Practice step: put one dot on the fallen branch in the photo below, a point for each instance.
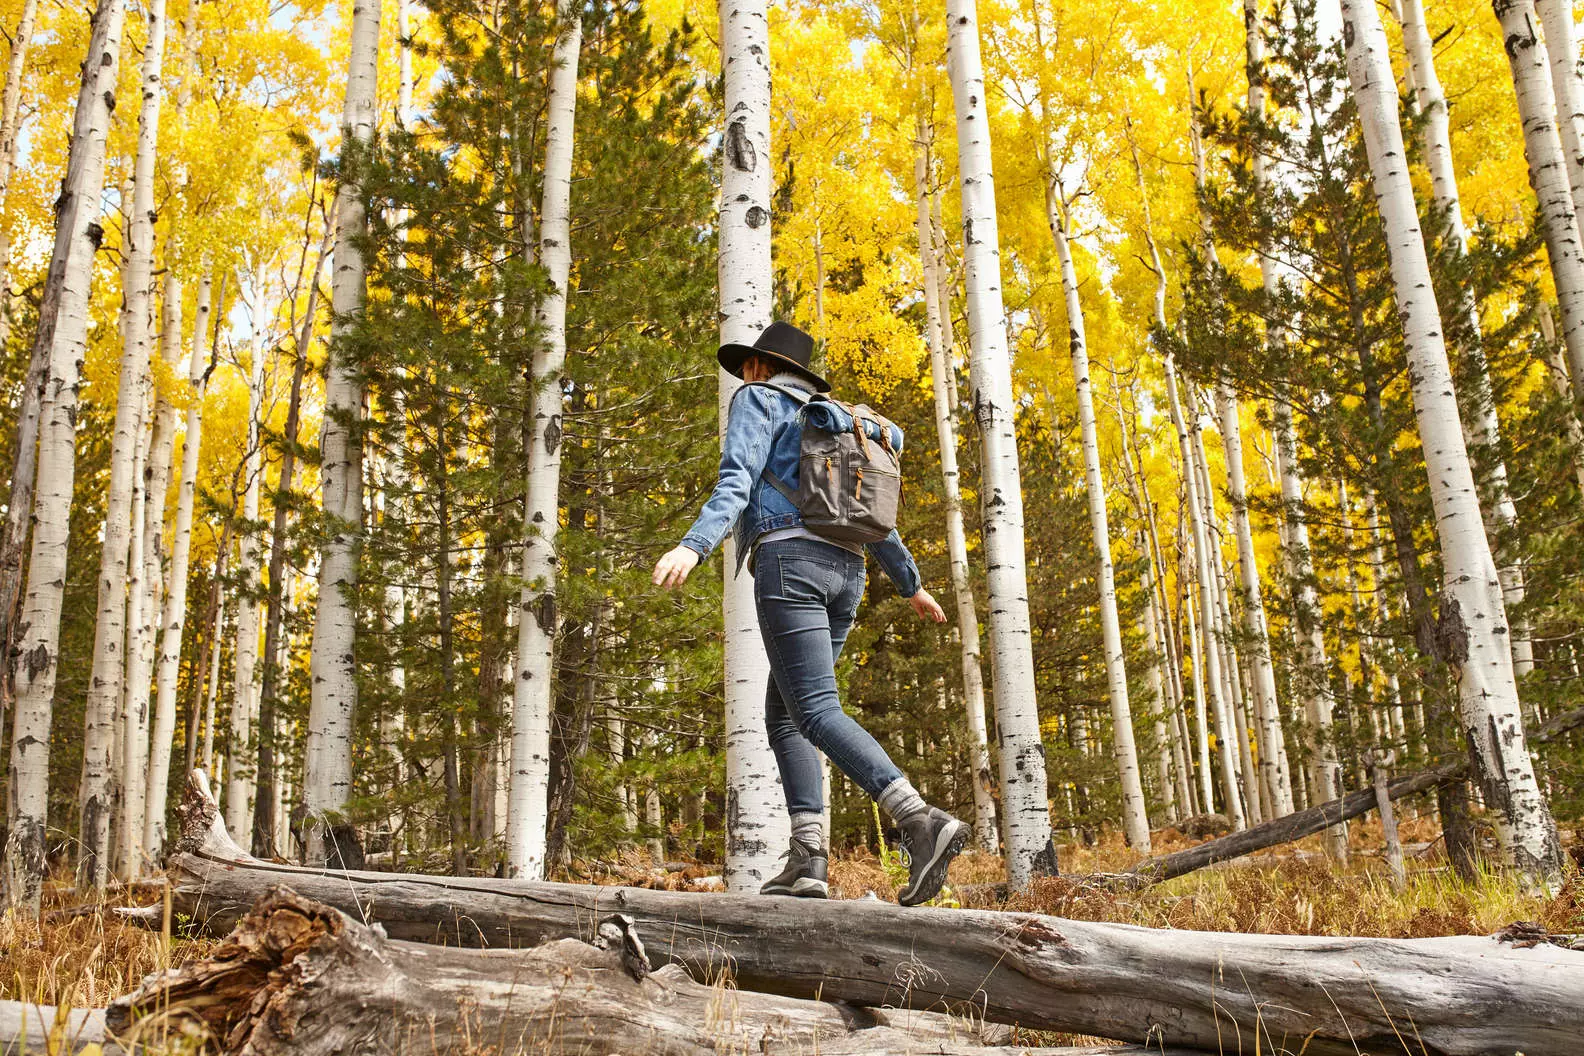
(26, 1027)
(1303, 823)
(1460, 995)
(298, 977)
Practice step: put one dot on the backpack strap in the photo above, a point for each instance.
(802, 398)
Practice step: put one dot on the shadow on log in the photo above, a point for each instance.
(1455, 996)
(300, 978)
(1303, 823)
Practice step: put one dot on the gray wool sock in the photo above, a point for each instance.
(809, 830)
(900, 800)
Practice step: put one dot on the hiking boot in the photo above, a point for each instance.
(931, 840)
(803, 877)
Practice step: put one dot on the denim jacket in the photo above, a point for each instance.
(764, 431)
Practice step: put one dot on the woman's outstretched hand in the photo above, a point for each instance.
(673, 567)
(926, 606)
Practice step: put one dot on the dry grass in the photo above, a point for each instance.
(82, 959)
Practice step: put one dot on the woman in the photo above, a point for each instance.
(807, 589)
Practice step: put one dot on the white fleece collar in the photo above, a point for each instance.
(788, 379)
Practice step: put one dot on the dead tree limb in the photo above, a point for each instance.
(26, 1028)
(1460, 995)
(1303, 823)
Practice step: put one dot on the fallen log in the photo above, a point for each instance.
(1456, 996)
(26, 1028)
(301, 978)
(1303, 823)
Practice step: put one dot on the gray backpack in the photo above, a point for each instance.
(849, 484)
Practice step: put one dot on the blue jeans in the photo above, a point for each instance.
(807, 593)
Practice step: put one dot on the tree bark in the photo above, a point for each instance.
(1567, 86)
(1135, 816)
(1548, 173)
(1039, 972)
(1501, 515)
(757, 828)
(112, 629)
(327, 755)
(175, 618)
(63, 330)
(241, 776)
(19, 500)
(1023, 777)
(1473, 613)
(534, 692)
(300, 977)
(941, 368)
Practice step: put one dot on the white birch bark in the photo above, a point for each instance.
(1548, 173)
(241, 750)
(1558, 371)
(10, 121)
(213, 691)
(1218, 626)
(1472, 606)
(1160, 687)
(757, 828)
(1023, 777)
(985, 833)
(106, 685)
(175, 618)
(533, 696)
(1325, 773)
(1485, 429)
(132, 707)
(1562, 58)
(1209, 685)
(327, 754)
(1135, 814)
(1196, 654)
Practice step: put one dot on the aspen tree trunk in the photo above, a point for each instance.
(175, 618)
(941, 367)
(213, 691)
(533, 696)
(1023, 779)
(241, 774)
(19, 503)
(1472, 597)
(175, 604)
(1548, 173)
(1135, 814)
(756, 822)
(132, 745)
(10, 121)
(1562, 57)
(1325, 773)
(107, 683)
(327, 755)
(1218, 628)
(1559, 381)
(1485, 430)
(1159, 686)
(262, 833)
(1208, 683)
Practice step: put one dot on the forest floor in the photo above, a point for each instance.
(84, 957)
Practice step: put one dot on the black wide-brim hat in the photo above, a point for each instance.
(782, 344)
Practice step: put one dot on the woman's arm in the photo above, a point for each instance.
(903, 572)
(743, 456)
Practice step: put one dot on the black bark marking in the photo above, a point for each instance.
(544, 613)
(757, 217)
(740, 151)
(552, 435)
(1452, 640)
(36, 660)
